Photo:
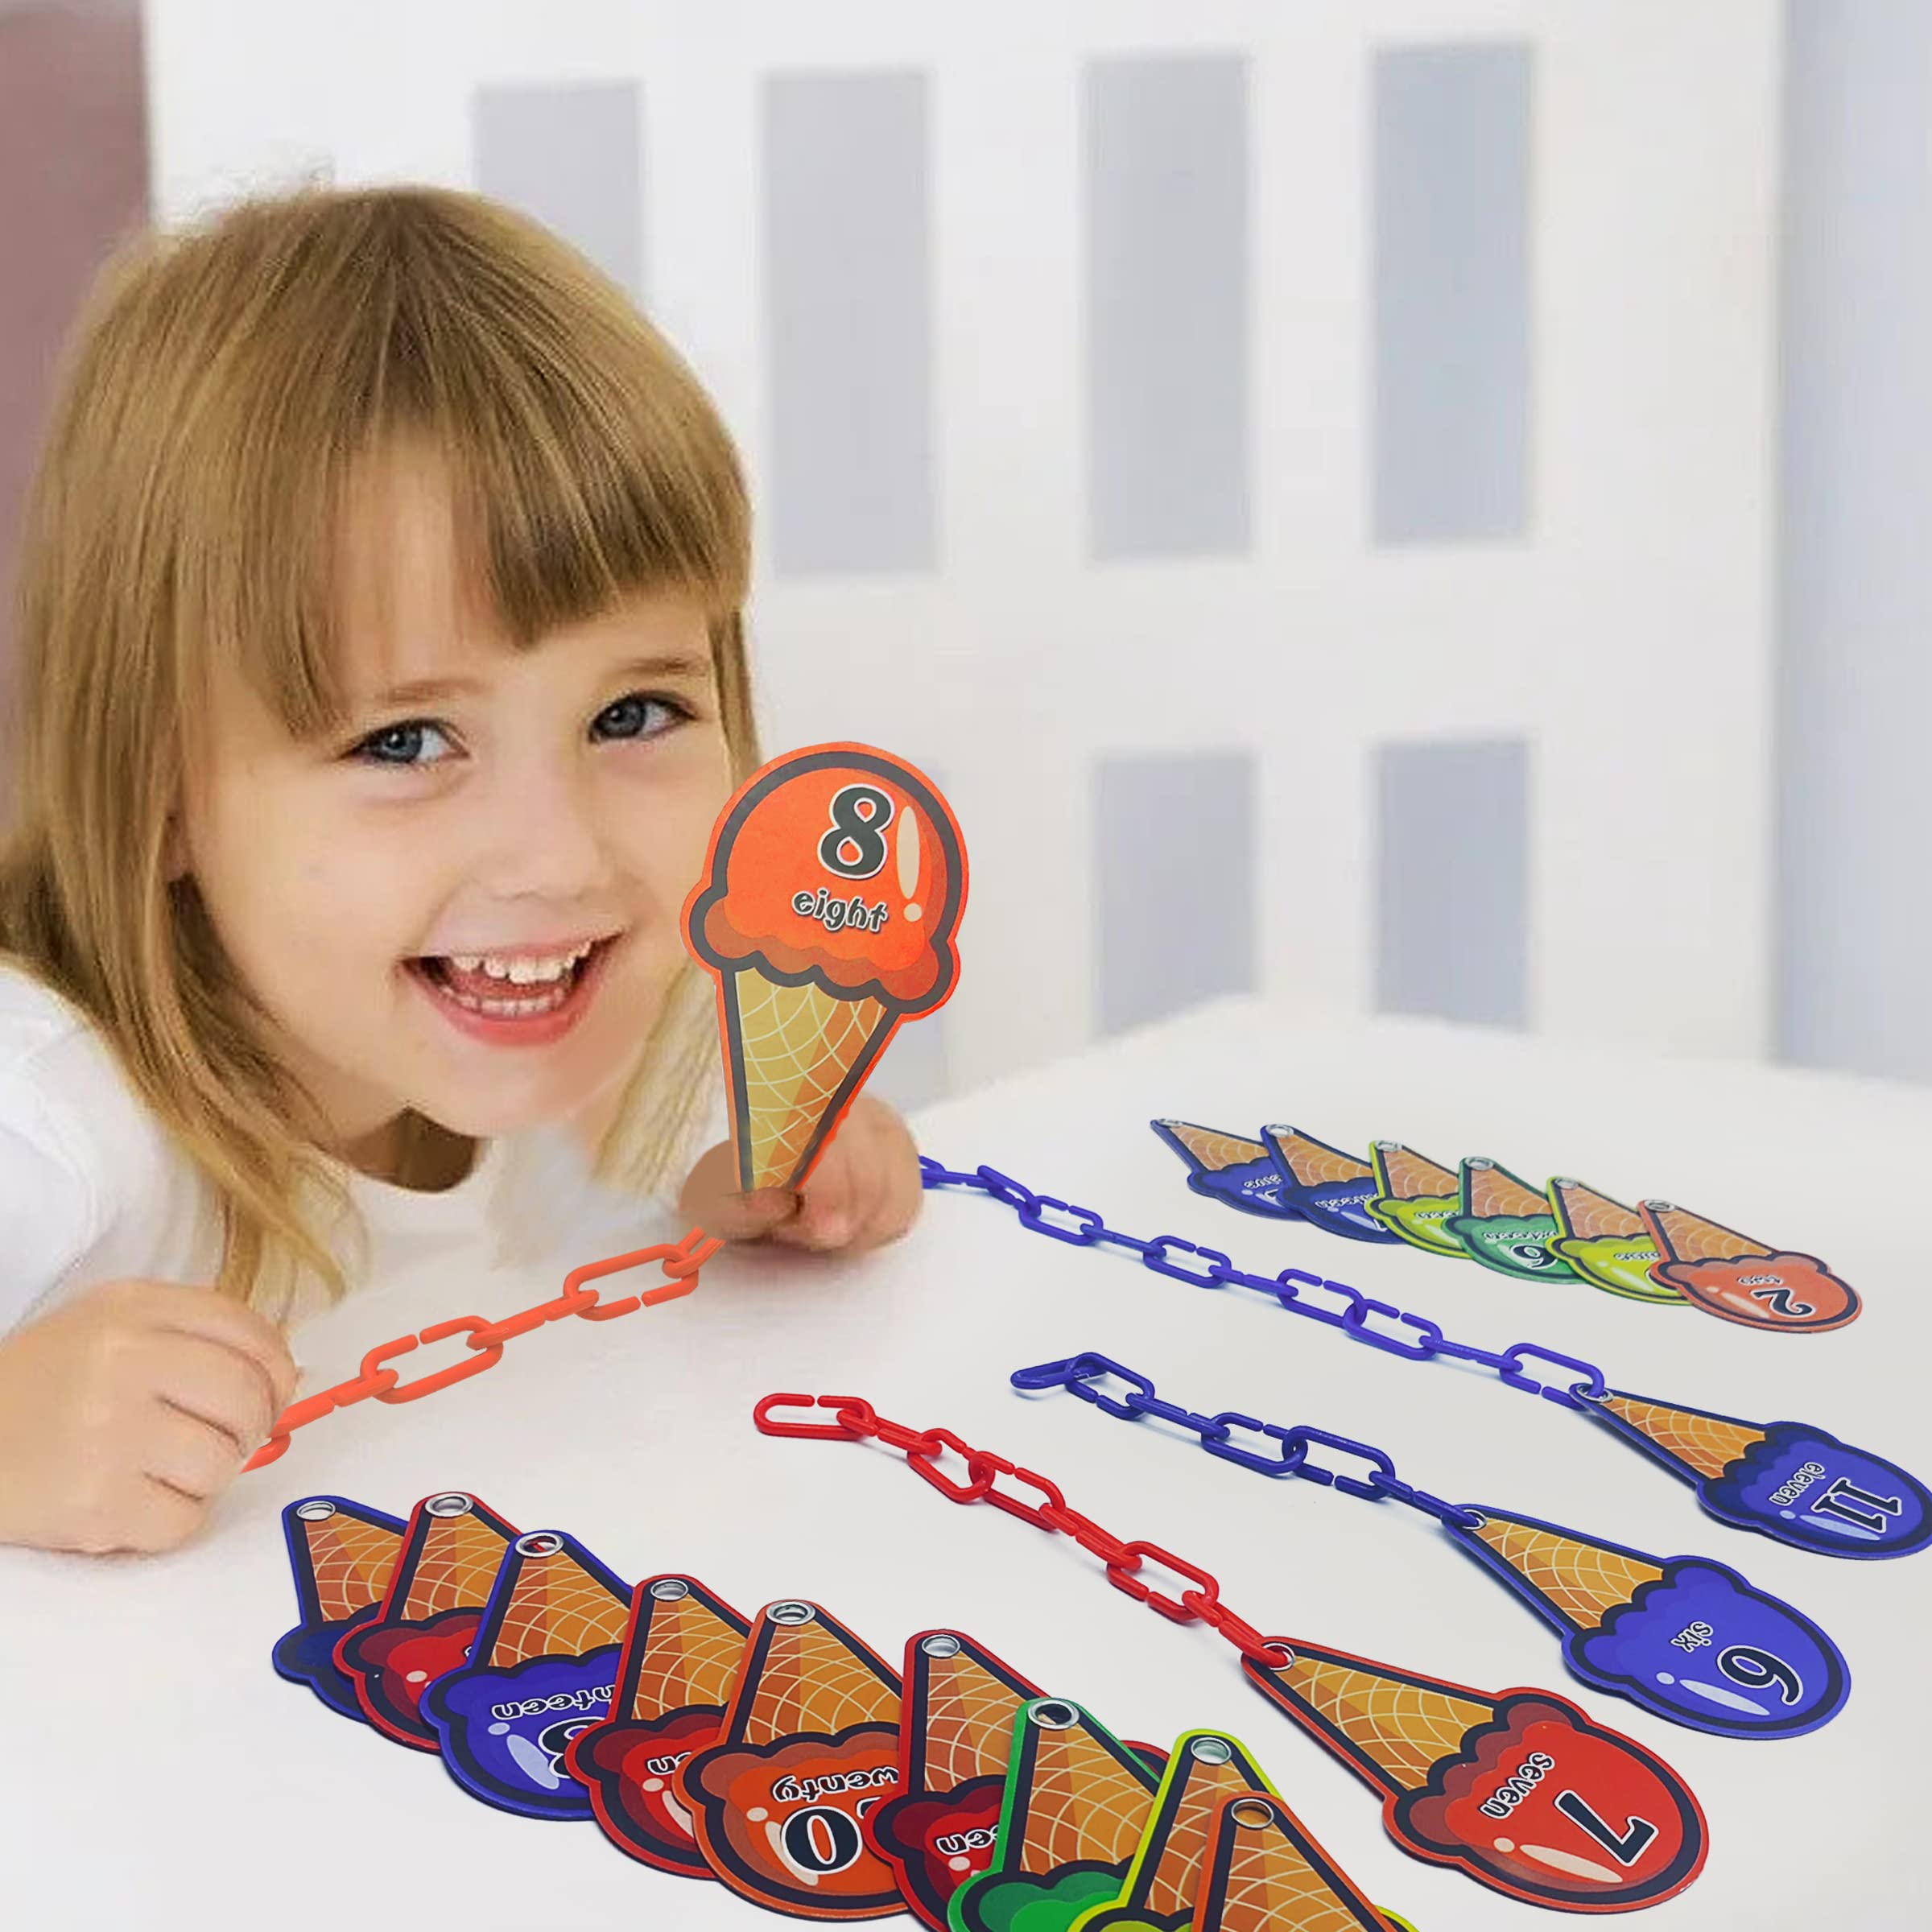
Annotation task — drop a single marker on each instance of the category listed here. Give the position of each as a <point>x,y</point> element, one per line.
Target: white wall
<point>1627,639</point>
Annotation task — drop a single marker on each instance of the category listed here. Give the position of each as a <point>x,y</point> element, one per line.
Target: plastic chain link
<point>1038,1502</point>
<point>485,1339</point>
<point>1425,1342</point>
<point>1077,1374</point>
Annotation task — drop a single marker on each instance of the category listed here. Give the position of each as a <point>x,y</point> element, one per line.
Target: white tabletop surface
<point>155,1772</point>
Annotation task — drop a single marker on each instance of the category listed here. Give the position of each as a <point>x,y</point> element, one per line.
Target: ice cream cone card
<point>1075,1807</point>
<point>342,1555</point>
<point>1417,1198</point>
<point>1740,1279</point>
<point>810,1747</point>
<point>1607,1243</point>
<point>452,1552</point>
<point>1264,1872</point>
<point>1791,1481</point>
<point>1519,1790</point>
<point>1504,1224</point>
<point>955,1741</point>
<point>1227,1167</point>
<point>680,1661</point>
<point>827,914</point>
<point>1330,1188</point>
<point>1684,1638</point>
<point>542,1667</point>
<point>1205,1769</point>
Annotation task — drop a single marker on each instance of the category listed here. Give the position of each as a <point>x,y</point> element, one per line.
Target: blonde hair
<point>226,381</point>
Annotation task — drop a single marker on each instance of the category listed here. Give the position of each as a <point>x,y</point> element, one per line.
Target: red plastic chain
<point>681,1260</point>
<point>855,1420</point>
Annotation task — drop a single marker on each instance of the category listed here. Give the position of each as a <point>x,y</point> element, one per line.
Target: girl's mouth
<point>516,999</point>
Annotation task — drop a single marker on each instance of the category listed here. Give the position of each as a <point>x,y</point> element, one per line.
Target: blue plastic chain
<point>1078,1372</point>
<point>1425,1342</point>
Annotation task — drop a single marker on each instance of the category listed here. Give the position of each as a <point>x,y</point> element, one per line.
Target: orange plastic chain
<point>682,1263</point>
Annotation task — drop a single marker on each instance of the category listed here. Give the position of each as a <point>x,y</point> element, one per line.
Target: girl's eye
<point>400,744</point>
<point>639,714</point>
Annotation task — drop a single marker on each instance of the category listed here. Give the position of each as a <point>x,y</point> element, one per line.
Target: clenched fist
<point>126,1411</point>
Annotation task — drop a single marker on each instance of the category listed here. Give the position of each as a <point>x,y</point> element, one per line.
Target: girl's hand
<point>863,1192</point>
<point>125,1412</point>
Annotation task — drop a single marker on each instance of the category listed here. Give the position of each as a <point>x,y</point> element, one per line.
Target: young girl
<point>382,675</point>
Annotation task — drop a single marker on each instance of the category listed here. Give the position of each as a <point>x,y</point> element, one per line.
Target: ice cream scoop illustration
<point>1740,1279</point>
<point>1792,1481</point>
<point>1518,1789</point>
<point>826,914</point>
<point>1687,1638</point>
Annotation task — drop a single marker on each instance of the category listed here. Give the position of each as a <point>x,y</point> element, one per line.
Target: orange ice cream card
<point>826,914</point>
<point>808,1748</point>
<point>1739,1279</point>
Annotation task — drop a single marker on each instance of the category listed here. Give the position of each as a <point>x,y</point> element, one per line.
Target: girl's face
<point>469,902</point>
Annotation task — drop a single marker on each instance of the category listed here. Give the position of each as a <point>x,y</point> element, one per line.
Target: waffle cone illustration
<point>810,1677</point>
<point>1086,1804</point>
<point>1494,1191</point>
<point>1591,1216</point>
<point>1404,1174</point>
<point>1263,1872</point>
<point>1207,1768</point>
<point>967,1701</point>
<point>1394,1727</point>
<point>801,1052</point>
<point>1685,1237</point>
<point>834,884</point>
<point>1702,1445</point>
<point>460,1555</point>
<point>1314,1163</point>
<point>559,1605</point>
<point>1211,1148</point>
<point>690,1650</point>
<point>1582,1581</point>
<point>809,1745</point>
<point>349,1557</point>
<point>956,1741</point>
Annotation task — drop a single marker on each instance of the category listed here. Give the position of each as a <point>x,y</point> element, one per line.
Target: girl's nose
<point>543,835</point>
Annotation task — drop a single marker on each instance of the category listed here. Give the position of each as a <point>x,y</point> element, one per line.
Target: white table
<point>153,1771</point>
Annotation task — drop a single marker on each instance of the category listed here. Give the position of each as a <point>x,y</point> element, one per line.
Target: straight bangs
<point>586,464</point>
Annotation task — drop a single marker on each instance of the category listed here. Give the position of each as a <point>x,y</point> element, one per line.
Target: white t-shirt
<point>92,1190</point>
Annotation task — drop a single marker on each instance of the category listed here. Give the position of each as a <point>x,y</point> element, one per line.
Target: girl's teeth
<point>519,972</point>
